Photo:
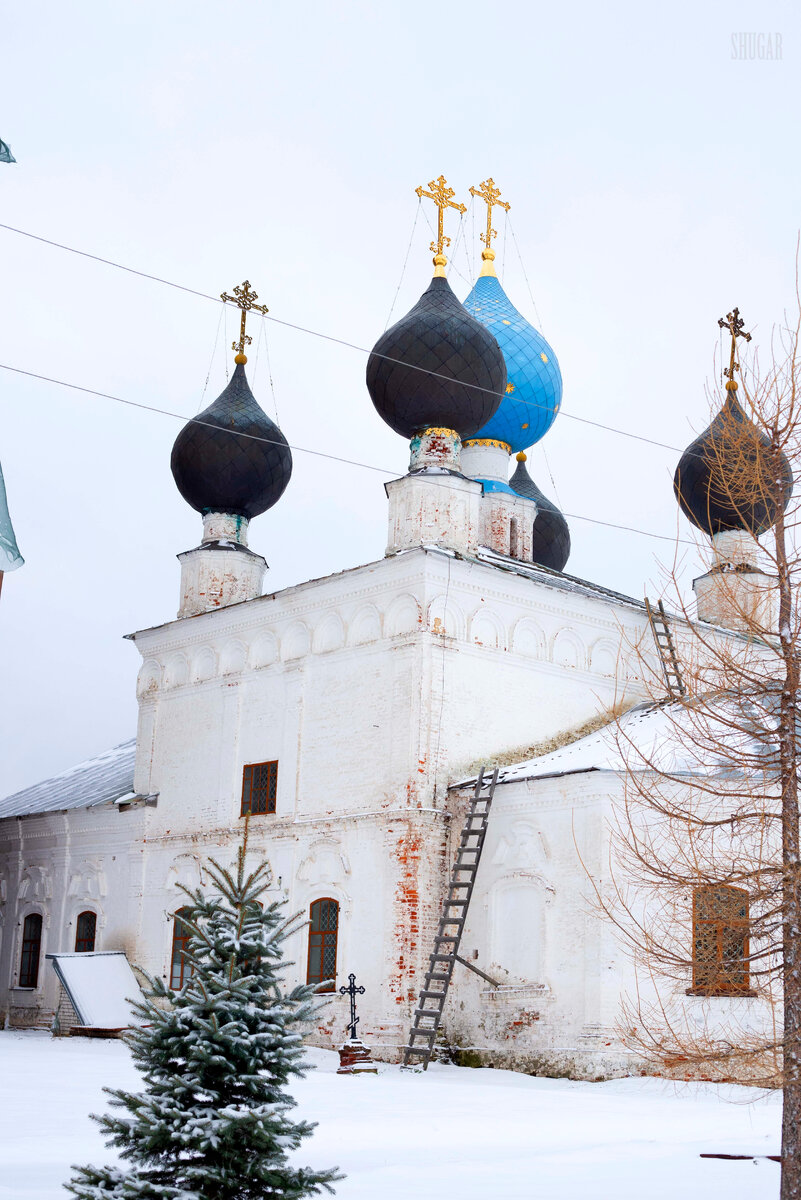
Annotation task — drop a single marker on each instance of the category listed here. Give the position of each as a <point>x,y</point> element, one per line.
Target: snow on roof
<point>99,984</point>
<point>99,780</point>
<point>672,738</point>
<point>550,578</point>
<point>604,750</point>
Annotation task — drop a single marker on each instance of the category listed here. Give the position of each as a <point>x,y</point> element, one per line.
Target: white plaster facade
<point>374,690</point>
<point>736,591</point>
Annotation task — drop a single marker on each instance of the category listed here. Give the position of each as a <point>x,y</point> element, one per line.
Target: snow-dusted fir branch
<point>213,1121</point>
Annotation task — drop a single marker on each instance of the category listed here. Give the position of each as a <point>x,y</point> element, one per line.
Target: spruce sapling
<point>213,1120</point>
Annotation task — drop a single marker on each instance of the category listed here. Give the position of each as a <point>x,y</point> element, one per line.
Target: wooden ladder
<point>428,1014</point>
<point>660,628</point>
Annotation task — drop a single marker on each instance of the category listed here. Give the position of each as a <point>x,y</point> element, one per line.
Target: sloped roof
<point>673,738</point>
<point>99,780</point>
<point>483,557</point>
<point>644,727</point>
<point>100,985</point>
<point>550,578</point>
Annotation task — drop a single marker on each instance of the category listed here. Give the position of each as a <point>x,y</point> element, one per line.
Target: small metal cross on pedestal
<point>352,991</point>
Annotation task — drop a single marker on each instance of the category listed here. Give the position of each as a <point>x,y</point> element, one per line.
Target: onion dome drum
<point>232,458</point>
<point>551,540</point>
<point>534,381</point>
<point>727,479</point>
<point>436,368</point>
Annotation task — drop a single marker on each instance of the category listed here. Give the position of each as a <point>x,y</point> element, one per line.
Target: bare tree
<point>706,874</point>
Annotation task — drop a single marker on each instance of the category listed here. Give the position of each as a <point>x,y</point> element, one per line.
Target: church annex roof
<point>549,577</point>
<point>674,739</point>
<point>606,749</point>
<point>99,780</point>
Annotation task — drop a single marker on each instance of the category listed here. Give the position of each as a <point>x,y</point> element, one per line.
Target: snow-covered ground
<point>467,1133</point>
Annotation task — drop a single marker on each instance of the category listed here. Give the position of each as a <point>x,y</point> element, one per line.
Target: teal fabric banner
<point>5,153</point>
<point>10,557</point>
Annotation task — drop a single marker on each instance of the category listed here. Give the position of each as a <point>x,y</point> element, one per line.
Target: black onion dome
<point>217,471</point>
<point>551,541</point>
<point>725,479</point>
<point>439,336</point>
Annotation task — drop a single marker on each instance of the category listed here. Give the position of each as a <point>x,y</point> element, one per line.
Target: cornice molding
<point>288,827</point>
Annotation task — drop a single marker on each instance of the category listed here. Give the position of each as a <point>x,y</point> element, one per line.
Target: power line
<point>166,412</point>
<point>351,462</point>
<point>335,340</point>
<point>108,262</point>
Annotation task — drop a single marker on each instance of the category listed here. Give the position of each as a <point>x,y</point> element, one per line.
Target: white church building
<point>345,714</point>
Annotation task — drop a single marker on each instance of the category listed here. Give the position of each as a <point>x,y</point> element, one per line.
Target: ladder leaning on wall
<point>430,1006</point>
<point>666,648</point>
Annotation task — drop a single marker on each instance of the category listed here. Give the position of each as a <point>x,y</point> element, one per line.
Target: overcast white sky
<point>654,184</point>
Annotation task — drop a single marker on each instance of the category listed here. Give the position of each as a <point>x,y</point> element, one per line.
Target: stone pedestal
<point>507,523</point>
<point>434,507</point>
<point>221,570</point>
<point>486,458</point>
<point>354,1059</point>
<point>435,448</point>
<point>507,520</point>
<point>736,593</point>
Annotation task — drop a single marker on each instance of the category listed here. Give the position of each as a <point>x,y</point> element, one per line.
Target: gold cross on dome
<point>490,194</point>
<point>735,325</point>
<point>442,195</point>
<point>244,299</point>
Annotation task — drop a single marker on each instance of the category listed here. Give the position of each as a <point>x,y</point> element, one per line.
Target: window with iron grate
<point>180,968</point>
<point>259,787</point>
<point>323,930</point>
<point>720,941</point>
<point>31,951</point>
<point>85,930</point>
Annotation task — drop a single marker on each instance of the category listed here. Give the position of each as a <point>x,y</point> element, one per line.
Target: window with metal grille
<point>85,930</point>
<point>259,786</point>
<point>180,968</point>
<point>720,941</point>
<point>323,927</point>
<point>31,950</point>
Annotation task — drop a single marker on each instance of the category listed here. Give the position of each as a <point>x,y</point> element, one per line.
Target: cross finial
<point>442,195</point>
<point>734,323</point>
<point>244,299</point>
<point>490,194</point>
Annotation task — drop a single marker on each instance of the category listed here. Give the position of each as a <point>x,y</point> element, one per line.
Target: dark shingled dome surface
<point>217,471</point>
<point>551,541</point>
<point>438,335</point>
<point>700,483</point>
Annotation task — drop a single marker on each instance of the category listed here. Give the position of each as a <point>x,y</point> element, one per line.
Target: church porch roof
<point>675,739</point>
<point>100,780</point>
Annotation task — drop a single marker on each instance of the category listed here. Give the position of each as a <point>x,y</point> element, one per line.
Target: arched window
<point>85,930</point>
<point>31,950</point>
<point>323,927</point>
<point>180,969</point>
<point>720,941</point>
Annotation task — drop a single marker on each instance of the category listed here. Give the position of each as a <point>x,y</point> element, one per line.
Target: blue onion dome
<point>551,541</point>
<point>217,469</point>
<point>534,386</point>
<point>436,368</point>
<point>729,478</point>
